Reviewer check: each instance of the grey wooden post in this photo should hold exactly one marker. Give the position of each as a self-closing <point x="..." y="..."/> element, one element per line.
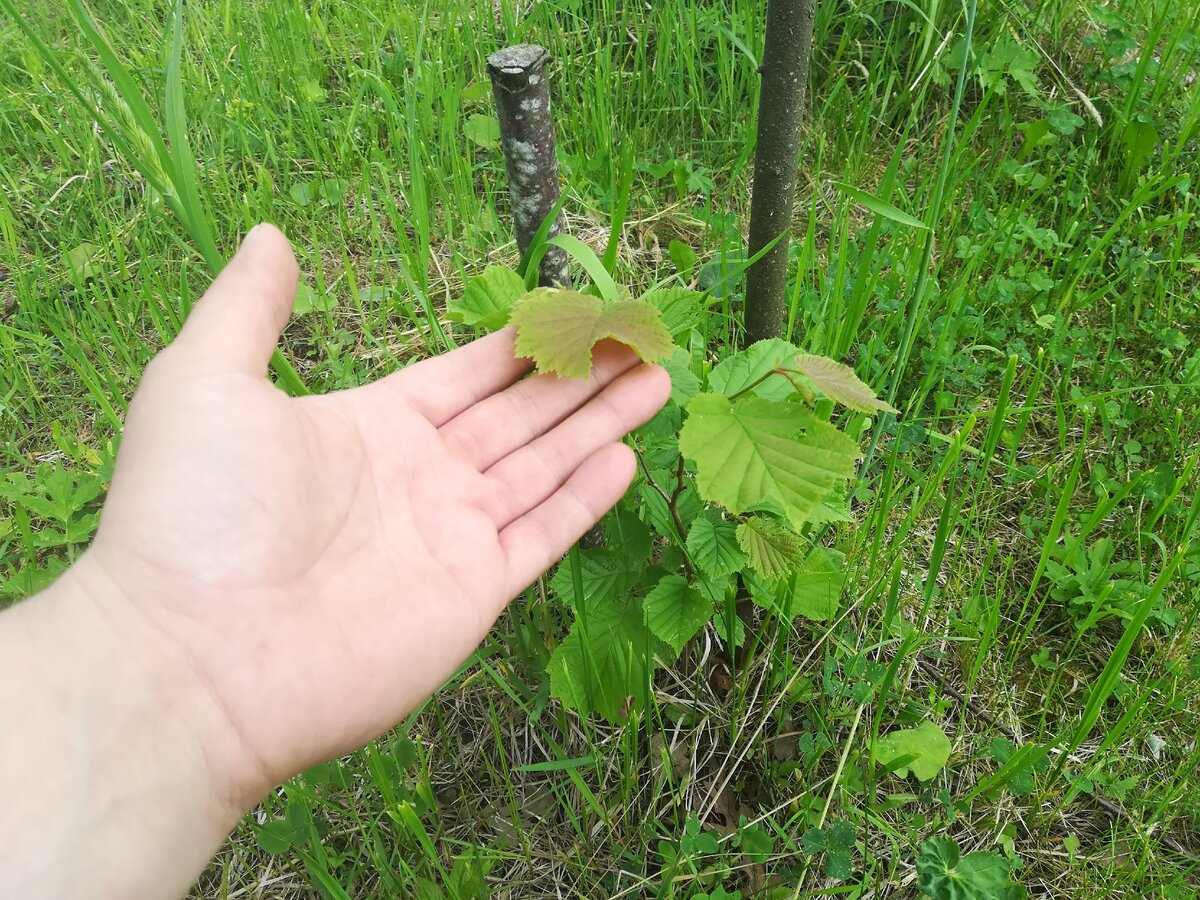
<point x="518" y="75"/>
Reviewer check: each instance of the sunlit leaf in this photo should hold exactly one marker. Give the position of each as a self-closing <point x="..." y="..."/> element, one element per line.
<point x="772" y="548"/>
<point x="488" y="298"/>
<point x="839" y="383"/>
<point x="756" y="451"/>
<point x="752" y="367"/>
<point x="925" y="747"/>
<point x="816" y="588"/>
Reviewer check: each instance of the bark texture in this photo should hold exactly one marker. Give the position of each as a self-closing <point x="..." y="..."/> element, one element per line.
<point x="785" y="67"/>
<point x="518" y="75"/>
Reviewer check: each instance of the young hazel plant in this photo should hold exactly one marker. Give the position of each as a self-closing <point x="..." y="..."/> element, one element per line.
<point x="736" y="470"/>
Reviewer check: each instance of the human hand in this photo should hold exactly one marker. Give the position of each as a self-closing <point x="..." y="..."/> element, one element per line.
<point x="319" y="566"/>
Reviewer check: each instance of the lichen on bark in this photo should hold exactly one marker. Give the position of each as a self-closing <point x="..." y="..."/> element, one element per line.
<point x="522" y="94"/>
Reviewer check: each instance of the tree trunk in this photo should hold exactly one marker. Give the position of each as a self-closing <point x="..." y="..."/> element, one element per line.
<point x="522" y="95"/>
<point x="780" y="115"/>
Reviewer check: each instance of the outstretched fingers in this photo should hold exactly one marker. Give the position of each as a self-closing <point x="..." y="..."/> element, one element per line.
<point x="508" y="420"/>
<point x="443" y="386"/>
<point x="530" y="474"/>
<point x="538" y="539"/>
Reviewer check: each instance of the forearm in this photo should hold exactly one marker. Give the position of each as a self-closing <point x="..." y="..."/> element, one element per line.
<point x="112" y="760"/>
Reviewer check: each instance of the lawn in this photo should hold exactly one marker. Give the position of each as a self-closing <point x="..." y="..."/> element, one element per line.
<point x="994" y="227"/>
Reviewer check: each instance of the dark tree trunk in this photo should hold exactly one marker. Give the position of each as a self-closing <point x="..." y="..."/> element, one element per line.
<point x="522" y="95"/>
<point x="780" y="114"/>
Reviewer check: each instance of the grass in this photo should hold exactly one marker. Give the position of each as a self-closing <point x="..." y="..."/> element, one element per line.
<point x="1040" y="338"/>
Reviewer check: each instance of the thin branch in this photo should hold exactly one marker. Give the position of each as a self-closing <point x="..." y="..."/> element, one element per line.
<point x="673" y="507"/>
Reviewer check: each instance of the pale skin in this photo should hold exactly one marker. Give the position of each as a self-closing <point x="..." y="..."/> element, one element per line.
<point x="277" y="581"/>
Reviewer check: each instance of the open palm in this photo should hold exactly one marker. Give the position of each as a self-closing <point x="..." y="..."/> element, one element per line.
<point x="323" y="564"/>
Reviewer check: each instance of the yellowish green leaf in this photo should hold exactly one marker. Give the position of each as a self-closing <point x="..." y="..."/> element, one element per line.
<point x="558" y="329"/>
<point x="752" y="452"/>
<point x="839" y="383"/>
<point x="926" y="749"/>
<point x="752" y="367"/>
<point x="487" y="298"/>
<point x="772" y="548"/>
<point x="816" y="588"/>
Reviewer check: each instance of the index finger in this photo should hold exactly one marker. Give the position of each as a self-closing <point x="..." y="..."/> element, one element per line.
<point x="443" y="386"/>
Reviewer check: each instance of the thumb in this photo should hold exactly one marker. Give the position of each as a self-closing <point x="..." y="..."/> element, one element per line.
<point x="240" y="317"/>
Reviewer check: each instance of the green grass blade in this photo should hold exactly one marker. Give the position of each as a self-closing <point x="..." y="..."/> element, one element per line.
<point x="181" y="160"/>
<point x="122" y="80"/>
<point x="586" y="257"/>
<point x="880" y="207"/>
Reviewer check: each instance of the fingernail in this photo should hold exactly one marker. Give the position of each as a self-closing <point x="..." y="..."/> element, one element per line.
<point x="254" y="232"/>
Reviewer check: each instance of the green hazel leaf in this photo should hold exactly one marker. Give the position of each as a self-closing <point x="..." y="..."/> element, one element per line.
<point x="832" y="510"/>
<point x="816" y="591"/>
<point x="715" y="589"/>
<point x="487" y="298"/>
<point x="675" y="611"/>
<point x="558" y="328"/>
<point x="606" y="578"/>
<point x="839" y="383"/>
<point x="606" y="658"/>
<point x="738" y="372"/>
<point x="764" y="592"/>
<point x="926" y="746"/>
<point x="657" y="514"/>
<point x="713" y="546"/>
<point x="754" y="451"/>
<point x="684" y="383"/>
<point x="772" y="548"/>
<point x="943" y="875"/>
<point x="679" y="308"/>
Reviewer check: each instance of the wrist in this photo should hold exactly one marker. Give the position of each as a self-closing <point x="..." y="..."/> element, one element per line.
<point x="132" y="752"/>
